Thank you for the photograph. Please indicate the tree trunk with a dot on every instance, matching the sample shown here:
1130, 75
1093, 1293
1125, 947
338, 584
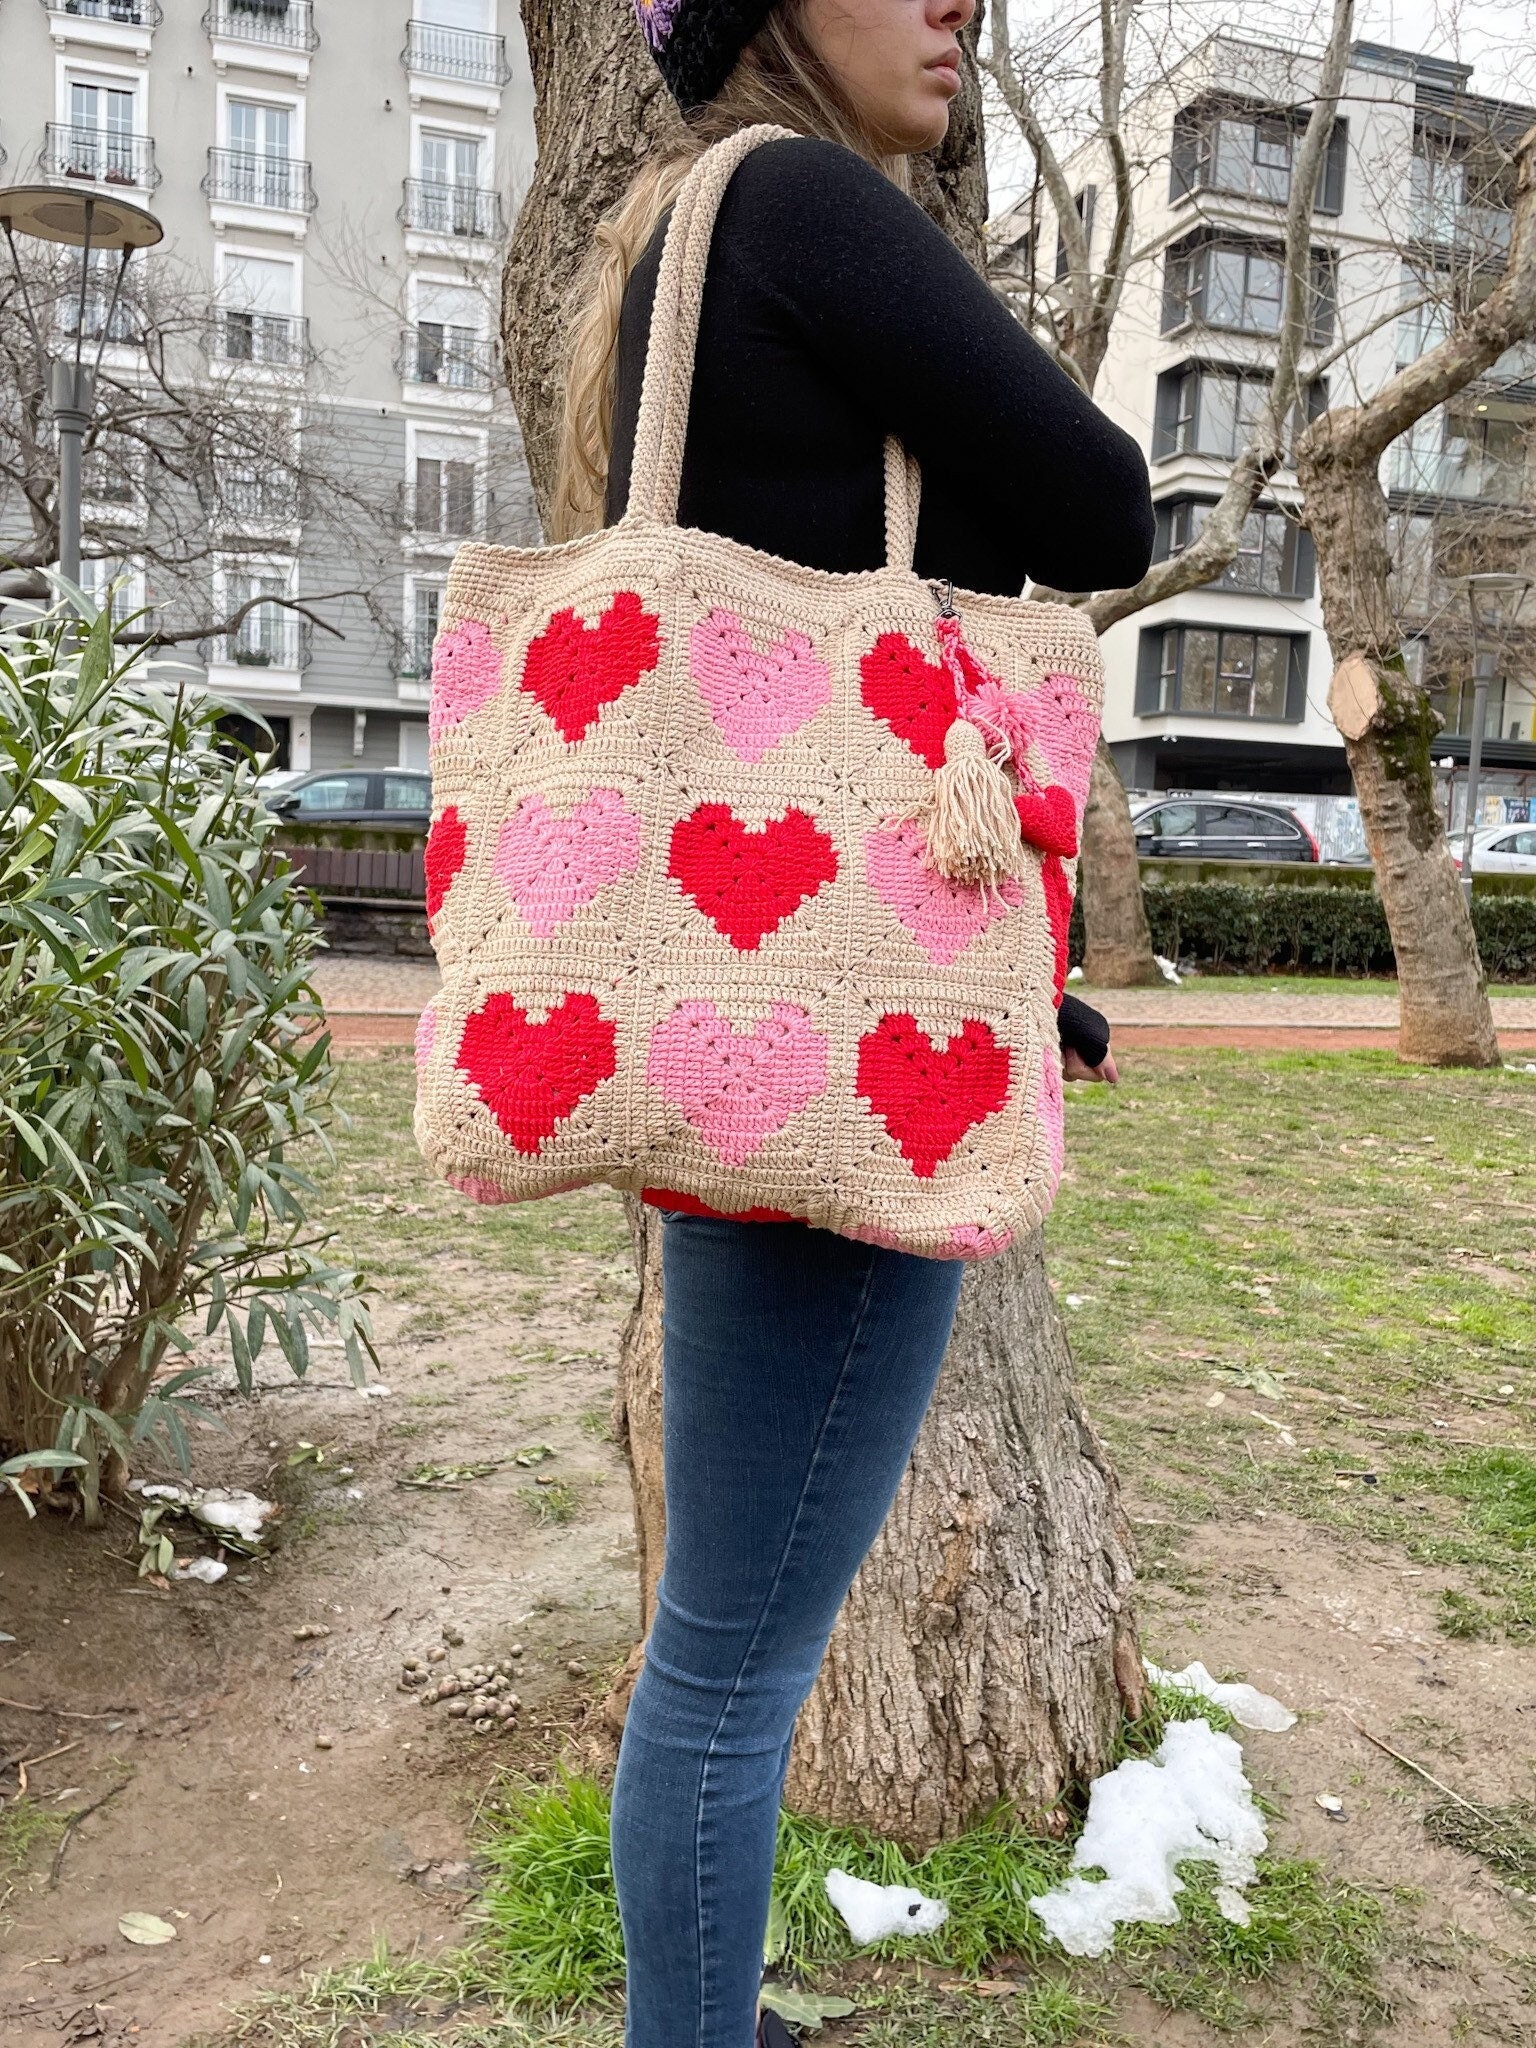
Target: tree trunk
988, 1647
1118, 952
1388, 723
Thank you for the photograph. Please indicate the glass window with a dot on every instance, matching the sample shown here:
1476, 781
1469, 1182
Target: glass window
407, 793
334, 793
1223, 822
1206, 671
1524, 843
1169, 821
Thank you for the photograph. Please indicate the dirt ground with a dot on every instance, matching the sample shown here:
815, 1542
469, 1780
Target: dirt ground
270, 1854
199, 1713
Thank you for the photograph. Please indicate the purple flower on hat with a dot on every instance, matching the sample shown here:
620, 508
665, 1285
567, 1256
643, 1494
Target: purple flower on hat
656, 18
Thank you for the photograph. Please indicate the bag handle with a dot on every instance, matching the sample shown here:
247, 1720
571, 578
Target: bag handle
656, 472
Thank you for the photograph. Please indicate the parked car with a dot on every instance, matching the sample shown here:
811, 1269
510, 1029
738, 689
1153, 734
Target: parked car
355, 796
1207, 829
1500, 850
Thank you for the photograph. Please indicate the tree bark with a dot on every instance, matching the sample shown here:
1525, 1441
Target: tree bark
1386, 720
1387, 723
1118, 950
988, 1646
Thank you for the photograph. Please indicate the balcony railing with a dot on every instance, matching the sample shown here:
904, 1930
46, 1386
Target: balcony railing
279, 24
99, 156
278, 340
445, 357
271, 636
472, 212
123, 13
245, 178
257, 504
1483, 230
125, 326
461, 53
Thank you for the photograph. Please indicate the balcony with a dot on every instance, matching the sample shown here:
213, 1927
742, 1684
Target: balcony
268, 637
99, 156
271, 184
256, 506
124, 326
462, 54
1460, 471
276, 341
463, 212
126, 25
121, 13
448, 358
277, 24
1479, 231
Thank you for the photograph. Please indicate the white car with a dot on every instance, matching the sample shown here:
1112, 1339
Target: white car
1500, 850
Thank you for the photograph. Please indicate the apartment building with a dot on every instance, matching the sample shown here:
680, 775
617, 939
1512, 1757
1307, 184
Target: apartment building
1225, 686
335, 180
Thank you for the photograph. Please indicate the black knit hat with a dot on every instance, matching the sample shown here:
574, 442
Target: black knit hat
696, 42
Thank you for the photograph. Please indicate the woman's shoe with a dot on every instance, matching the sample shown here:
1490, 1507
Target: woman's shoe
772, 2032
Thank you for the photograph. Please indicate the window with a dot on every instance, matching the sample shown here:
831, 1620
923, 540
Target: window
1275, 557
1235, 821
1084, 204
1221, 672
1474, 448
1207, 411
1455, 698
86, 313
257, 320
1460, 195
449, 355
1168, 821
99, 142
1241, 285
445, 496
268, 636
407, 793
1249, 151
425, 611
332, 793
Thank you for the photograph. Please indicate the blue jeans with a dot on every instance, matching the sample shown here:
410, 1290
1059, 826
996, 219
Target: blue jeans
798, 1366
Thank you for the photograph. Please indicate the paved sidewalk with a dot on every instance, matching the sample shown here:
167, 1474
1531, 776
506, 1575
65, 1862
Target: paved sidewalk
376, 1002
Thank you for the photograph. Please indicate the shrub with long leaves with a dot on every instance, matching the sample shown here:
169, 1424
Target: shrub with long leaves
161, 1051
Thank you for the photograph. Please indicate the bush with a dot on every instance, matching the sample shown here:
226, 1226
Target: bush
159, 1053
1237, 928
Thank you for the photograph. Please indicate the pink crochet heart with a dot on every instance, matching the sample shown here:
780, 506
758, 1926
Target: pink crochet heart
466, 674
737, 1088
756, 697
550, 866
1066, 726
942, 916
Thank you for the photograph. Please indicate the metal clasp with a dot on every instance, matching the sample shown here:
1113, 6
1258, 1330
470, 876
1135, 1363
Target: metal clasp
944, 593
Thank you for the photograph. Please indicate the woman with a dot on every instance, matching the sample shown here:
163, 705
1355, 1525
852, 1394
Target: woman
798, 1364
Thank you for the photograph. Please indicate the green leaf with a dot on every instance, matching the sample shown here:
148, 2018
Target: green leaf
44, 1461
147, 1929
776, 1935
202, 1097
804, 2008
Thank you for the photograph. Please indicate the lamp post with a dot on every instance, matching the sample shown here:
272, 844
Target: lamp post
88, 222
1494, 598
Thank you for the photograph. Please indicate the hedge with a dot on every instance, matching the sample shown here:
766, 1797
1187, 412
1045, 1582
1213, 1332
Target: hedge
1242, 930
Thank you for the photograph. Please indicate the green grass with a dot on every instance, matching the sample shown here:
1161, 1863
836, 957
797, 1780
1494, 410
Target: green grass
24, 1828
1333, 1242
405, 1227
1300, 984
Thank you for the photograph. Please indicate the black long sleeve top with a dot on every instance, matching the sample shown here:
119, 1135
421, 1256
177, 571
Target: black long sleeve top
835, 313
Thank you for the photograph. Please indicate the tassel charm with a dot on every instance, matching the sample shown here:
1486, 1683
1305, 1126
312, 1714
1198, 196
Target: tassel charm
972, 827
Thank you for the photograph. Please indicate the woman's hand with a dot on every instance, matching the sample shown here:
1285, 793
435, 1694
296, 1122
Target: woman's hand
1075, 1068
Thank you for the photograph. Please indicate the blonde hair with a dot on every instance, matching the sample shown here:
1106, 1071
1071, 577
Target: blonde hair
778, 78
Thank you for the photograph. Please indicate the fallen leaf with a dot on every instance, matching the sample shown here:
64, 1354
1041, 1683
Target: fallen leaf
147, 1929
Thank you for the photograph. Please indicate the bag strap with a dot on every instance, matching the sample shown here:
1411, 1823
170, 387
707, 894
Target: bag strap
661, 432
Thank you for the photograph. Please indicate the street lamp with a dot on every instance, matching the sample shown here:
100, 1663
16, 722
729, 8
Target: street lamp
87, 222
1494, 598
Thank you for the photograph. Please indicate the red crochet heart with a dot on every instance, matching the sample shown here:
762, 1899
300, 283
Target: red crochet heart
531, 1076
926, 1098
1048, 819
573, 669
914, 696
447, 844
747, 882
1058, 912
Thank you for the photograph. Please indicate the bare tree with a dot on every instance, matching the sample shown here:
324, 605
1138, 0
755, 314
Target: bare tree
1384, 714
988, 1648
1074, 314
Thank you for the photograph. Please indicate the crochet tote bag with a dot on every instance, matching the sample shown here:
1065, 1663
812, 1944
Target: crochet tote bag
749, 882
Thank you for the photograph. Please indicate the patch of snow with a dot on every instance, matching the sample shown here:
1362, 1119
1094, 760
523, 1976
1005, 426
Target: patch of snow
1167, 969
1245, 1703
1188, 1803
218, 1508
1074, 974
870, 1912
208, 1570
